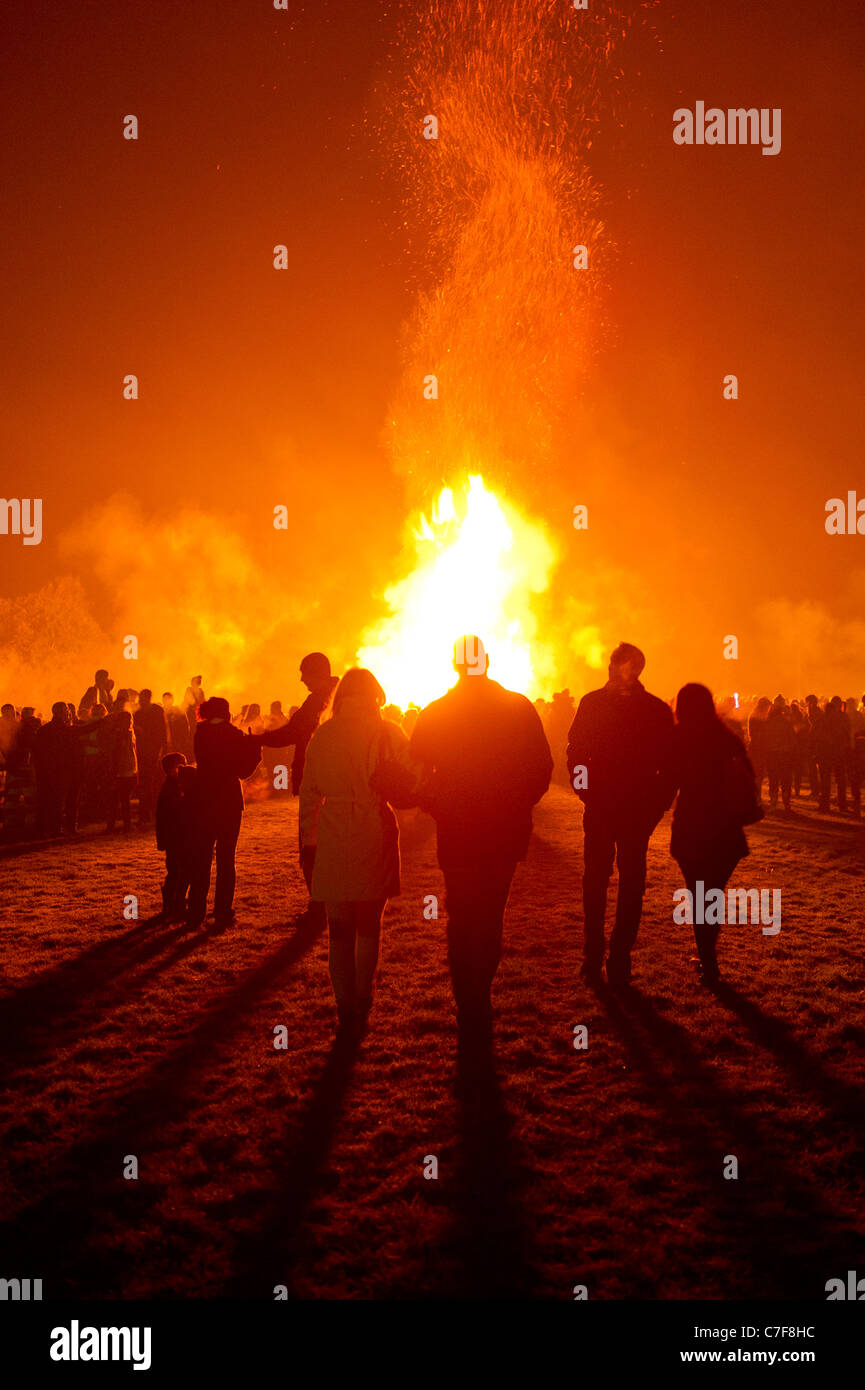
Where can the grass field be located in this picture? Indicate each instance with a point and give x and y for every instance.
(304, 1166)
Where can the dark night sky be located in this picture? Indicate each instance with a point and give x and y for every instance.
(155, 257)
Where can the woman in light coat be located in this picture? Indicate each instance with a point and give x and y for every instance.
(347, 819)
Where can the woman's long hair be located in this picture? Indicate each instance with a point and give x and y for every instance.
(697, 717)
(361, 685)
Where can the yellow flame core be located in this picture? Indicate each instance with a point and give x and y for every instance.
(477, 570)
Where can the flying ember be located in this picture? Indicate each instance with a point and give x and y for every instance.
(478, 564)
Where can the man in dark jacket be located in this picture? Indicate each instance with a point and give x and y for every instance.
(99, 693)
(178, 738)
(297, 731)
(620, 760)
(488, 762)
(839, 743)
(151, 739)
(225, 757)
(818, 752)
(54, 750)
(780, 752)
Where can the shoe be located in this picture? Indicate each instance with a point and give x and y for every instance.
(592, 972)
(708, 975)
(618, 976)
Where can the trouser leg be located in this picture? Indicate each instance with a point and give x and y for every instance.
(705, 935)
(114, 803)
(316, 911)
(773, 782)
(854, 776)
(474, 937)
(170, 882)
(631, 851)
(200, 862)
(71, 807)
(51, 804)
(599, 852)
(226, 873)
(824, 772)
(476, 901)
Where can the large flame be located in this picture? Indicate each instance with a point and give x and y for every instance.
(479, 561)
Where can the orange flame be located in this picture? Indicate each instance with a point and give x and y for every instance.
(477, 570)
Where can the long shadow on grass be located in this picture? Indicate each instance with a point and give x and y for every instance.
(84, 1186)
(780, 1256)
(819, 834)
(491, 1242)
(486, 1253)
(74, 995)
(846, 1101)
(268, 1252)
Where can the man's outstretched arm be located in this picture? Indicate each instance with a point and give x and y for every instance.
(300, 727)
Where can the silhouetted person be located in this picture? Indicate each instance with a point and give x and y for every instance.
(192, 699)
(99, 693)
(96, 790)
(54, 750)
(151, 737)
(123, 769)
(315, 675)
(344, 815)
(8, 728)
(856, 752)
(560, 718)
(622, 738)
(757, 742)
(14, 763)
(171, 838)
(25, 769)
(717, 796)
(252, 721)
(177, 734)
(800, 735)
(271, 758)
(488, 762)
(780, 748)
(728, 711)
(276, 719)
(838, 744)
(224, 757)
(299, 729)
(818, 749)
(8, 739)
